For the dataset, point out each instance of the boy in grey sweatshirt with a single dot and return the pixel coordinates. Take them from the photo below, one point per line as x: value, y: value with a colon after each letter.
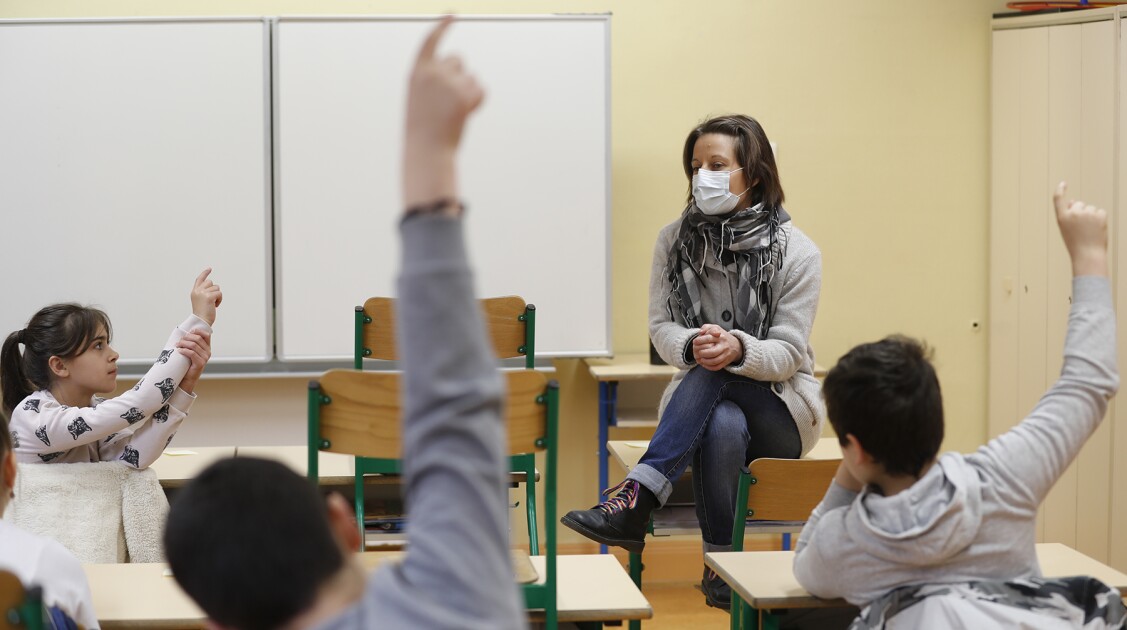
x: 896, y: 514
x: 253, y: 543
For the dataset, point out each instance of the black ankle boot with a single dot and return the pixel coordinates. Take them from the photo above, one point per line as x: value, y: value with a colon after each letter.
x: 716, y: 591
x: 620, y: 521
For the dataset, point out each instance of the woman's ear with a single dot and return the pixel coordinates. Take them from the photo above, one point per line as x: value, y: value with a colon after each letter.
x: 58, y: 366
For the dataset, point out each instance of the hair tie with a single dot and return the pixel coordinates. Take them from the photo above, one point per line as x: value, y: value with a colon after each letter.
x: 21, y: 336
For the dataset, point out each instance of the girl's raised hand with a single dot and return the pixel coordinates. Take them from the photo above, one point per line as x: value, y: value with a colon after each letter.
x: 206, y: 297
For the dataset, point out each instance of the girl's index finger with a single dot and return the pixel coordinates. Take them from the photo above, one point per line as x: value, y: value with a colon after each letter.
x: 203, y: 276
x: 430, y: 44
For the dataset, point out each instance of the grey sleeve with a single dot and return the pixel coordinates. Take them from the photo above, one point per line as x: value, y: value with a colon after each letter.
x: 823, y: 544
x: 454, y: 462
x: 1028, y: 459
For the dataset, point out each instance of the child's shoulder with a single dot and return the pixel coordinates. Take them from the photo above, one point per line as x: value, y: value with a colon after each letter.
x: 35, y: 403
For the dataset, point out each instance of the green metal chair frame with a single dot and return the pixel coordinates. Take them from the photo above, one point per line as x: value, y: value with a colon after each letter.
x: 512, y: 329
x: 364, y: 423
x: 777, y: 496
x: 20, y: 607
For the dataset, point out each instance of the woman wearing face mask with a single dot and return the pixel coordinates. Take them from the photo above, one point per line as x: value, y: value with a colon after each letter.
x: 733, y: 293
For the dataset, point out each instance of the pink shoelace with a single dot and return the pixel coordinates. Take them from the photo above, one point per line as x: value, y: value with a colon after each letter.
x: 626, y: 498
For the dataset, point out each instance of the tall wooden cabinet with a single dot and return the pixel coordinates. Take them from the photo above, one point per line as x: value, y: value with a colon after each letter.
x: 1057, y: 114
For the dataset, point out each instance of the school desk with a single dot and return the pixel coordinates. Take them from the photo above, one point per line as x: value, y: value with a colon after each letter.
x: 176, y: 466
x: 335, y: 469
x: 591, y: 588
x: 765, y: 579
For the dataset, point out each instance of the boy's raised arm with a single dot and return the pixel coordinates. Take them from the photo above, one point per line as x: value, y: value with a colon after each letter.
x: 454, y: 461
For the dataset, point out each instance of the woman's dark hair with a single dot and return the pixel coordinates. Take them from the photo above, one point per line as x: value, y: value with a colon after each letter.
x: 753, y: 151
x: 59, y: 330
x: 887, y: 395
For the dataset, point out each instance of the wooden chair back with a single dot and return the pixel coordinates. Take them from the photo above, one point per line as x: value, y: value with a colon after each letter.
x: 509, y: 320
x: 358, y: 412
x: 787, y: 489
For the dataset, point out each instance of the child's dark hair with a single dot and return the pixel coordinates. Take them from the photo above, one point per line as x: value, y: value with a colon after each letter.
x: 5, y: 438
x: 249, y: 540
x: 61, y: 330
x: 886, y: 394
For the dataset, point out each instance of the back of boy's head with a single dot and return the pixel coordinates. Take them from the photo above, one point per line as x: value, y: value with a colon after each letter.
x: 61, y: 330
x: 886, y: 394
x: 249, y: 540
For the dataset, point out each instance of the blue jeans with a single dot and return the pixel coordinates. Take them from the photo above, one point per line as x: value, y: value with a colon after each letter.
x: 718, y: 422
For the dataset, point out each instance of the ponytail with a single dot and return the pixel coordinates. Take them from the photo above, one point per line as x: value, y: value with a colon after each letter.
x: 12, y: 379
x: 59, y: 330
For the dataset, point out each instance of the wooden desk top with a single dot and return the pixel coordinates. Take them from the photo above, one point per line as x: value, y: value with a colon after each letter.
x: 765, y: 579
x: 178, y: 465
x: 590, y: 588
x: 334, y: 469
x: 628, y: 367
x: 627, y: 453
x: 633, y: 367
x: 594, y: 587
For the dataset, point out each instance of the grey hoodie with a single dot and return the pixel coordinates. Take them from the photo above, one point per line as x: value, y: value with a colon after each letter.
x: 970, y: 517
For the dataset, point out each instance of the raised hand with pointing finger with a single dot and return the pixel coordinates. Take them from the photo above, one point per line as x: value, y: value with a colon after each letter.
x: 441, y: 95
x: 1084, y: 230
x: 206, y: 297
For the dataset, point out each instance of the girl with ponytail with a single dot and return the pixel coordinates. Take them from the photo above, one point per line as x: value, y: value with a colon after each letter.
x: 51, y: 370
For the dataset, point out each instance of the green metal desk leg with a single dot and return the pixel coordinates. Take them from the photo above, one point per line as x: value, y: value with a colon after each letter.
x: 770, y: 621
x: 636, y: 568
x: 749, y: 616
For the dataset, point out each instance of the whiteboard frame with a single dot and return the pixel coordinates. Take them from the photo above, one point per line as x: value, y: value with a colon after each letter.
x: 129, y: 365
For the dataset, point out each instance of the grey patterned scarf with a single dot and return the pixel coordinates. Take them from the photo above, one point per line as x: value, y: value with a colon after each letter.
x: 748, y: 243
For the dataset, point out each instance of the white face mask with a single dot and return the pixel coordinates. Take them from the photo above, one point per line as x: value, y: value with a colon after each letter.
x: 711, y: 192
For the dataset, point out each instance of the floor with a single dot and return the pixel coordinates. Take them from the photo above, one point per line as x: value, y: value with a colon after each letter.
x: 681, y: 606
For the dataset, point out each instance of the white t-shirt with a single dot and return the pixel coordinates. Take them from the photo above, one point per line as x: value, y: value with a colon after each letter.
x: 40, y: 561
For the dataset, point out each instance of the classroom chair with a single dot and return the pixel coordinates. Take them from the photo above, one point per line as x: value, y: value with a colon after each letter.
x: 20, y: 608
x: 511, y: 325
x: 357, y: 413
x: 778, y: 496
x: 780, y: 502
x: 509, y: 321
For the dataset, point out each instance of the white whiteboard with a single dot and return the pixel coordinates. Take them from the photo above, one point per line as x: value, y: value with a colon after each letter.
x: 132, y: 155
x: 534, y: 171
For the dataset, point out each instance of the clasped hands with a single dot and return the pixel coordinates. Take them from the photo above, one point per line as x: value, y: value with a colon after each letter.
x: 715, y: 348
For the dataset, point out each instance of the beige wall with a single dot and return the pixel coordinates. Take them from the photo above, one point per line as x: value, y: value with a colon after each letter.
x: 881, y: 114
